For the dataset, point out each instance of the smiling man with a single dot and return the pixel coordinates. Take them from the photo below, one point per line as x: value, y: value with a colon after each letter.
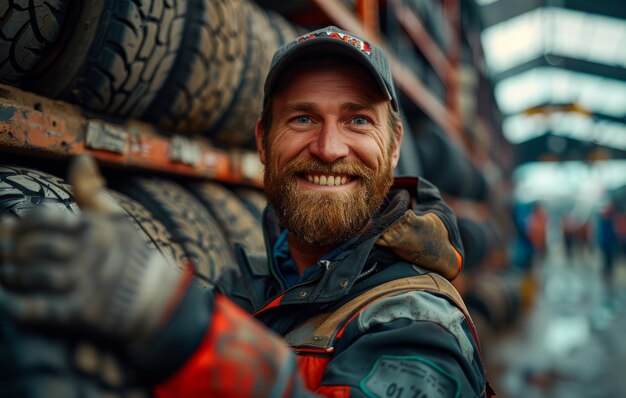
x: 355, y: 280
x: 358, y: 264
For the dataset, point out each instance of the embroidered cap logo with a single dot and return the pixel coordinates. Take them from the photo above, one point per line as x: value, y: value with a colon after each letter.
x: 363, y: 46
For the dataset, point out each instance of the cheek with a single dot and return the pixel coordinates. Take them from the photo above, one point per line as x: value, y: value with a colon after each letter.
x: 371, y: 152
x: 287, y: 146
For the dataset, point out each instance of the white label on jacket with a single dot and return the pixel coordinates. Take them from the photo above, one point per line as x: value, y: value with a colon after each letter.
x: 409, y: 377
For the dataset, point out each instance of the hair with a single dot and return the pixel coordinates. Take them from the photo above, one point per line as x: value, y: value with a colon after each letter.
x: 393, y: 117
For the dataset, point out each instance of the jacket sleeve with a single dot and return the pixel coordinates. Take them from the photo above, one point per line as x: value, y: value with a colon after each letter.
x: 235, y: 356
x: 414, y: 344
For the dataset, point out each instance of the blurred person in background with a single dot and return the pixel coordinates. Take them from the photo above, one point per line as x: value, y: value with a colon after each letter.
x: 620, y: 231
x: 576, y: 235
x: 537, y: 230
x: 607, y: 239
x: 522, y: 251
x: 355, y: 280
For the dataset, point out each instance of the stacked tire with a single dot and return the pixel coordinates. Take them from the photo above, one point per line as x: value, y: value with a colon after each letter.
x: 28, y: 32
x: 209, y: 66
x: 117, y: 56
x: 446, y: 165
x: 494, y: 300
x: 187, y: 66
x: 200, y: 224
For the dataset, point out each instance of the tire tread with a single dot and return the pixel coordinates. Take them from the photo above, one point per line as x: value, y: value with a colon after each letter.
x: 139, y: 41
x: 27, y: 31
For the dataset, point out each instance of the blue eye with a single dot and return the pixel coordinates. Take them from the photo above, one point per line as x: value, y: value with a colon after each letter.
x: 359, y: 120
x: 303, y: 120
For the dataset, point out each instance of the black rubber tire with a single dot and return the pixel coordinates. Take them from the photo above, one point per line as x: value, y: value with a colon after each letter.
x: 496, y: 296
x: 447, y: 166
x: 207, y: 70
x: 153, y: 230
x: 189, y: 223
x: 298, y: 6
x: 118, y: 57
x: 28, y: 28
x: 254, y: 200
x: 40, y: 362
x: 475, y: 242
x: 285, y: 30
x: 23, y: 189
x: 236, y: 126
x: 238, y: 223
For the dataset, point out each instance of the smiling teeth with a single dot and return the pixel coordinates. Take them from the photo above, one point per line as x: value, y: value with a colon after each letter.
x: 327, y: 180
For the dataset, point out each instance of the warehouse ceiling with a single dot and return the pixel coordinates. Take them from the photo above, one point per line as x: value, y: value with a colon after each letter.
x: 559, y: 69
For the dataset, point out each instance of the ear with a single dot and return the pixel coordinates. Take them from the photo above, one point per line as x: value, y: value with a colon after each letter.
x: 395, y: 154
x: 258, y: 136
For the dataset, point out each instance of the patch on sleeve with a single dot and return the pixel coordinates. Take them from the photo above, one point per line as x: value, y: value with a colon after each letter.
x: 419, y: 306
x: 409, y: 377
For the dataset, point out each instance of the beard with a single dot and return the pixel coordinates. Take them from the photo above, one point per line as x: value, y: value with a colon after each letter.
x: 325, y: 218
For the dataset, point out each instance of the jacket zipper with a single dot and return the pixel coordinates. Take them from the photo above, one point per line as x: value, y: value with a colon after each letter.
x: 366, y: 273
x: 325, y: 263
x: 270, y: 262
x: 326, y: 266
x: 325, y: 276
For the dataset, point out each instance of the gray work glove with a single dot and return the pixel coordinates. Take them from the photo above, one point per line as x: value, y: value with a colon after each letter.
x: 92, y: 275
x: 92, y: 272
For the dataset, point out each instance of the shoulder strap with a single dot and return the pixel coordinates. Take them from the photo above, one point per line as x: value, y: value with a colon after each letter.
x: 321, y: 331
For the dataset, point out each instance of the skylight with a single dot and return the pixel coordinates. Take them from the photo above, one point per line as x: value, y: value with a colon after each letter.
x: 552, y: 85
x: 568, y: 181
x: 556, y: 31
x: 520, y: 128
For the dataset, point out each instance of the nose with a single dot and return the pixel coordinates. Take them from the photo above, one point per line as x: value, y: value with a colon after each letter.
x: 329, y: 145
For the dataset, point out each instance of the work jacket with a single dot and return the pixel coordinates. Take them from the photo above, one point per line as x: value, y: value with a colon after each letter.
x: 417, y: 342
x: 379, y: 319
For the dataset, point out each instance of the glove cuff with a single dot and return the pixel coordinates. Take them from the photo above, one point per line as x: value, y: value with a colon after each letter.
x: 170, y: 348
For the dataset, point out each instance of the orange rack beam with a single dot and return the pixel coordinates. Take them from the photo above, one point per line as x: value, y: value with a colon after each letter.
x: 38, y: 126
x: 413, y: 25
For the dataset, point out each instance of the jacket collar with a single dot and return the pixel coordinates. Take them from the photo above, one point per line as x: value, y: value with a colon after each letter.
x: 338, y: 276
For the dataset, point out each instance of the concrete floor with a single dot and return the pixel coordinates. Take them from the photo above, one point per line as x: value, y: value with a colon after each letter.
x: 571, y: 342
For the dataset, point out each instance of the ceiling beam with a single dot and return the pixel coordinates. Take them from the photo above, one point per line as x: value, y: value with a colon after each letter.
x: 567, y: 63
x: 608, y: 118
x: 503, y: 10
x: 552, y: 147
x: 608, y: 8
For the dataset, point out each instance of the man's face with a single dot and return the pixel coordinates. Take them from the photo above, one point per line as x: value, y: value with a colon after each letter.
x: 329, y: 155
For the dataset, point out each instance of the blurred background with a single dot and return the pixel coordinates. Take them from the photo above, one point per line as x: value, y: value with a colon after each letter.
x: 515, y: 109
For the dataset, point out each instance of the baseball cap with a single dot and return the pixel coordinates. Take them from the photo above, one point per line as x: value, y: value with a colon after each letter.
x: 334, y: 40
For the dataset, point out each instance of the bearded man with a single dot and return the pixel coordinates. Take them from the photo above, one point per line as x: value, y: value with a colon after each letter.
x: 355, y: 278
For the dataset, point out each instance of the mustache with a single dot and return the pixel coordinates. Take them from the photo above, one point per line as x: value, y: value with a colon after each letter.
x: 353, y: 168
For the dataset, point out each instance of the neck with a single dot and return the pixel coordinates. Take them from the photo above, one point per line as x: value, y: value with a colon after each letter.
x: 306, y: 255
